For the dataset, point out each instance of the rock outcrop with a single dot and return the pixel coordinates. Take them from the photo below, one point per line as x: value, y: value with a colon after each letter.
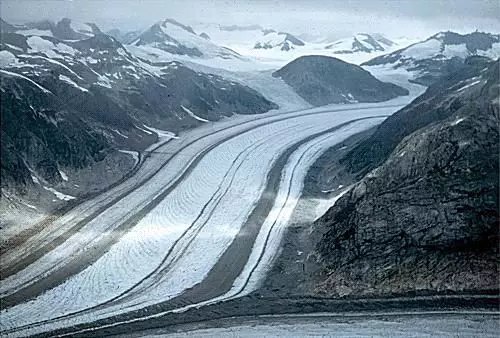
x: 425, y: 218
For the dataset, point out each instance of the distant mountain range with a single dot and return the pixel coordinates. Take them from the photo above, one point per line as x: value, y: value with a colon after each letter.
x: 440, y: 54
x: 364, y: 43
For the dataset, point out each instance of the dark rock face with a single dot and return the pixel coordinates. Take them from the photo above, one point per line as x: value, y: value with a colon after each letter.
x: 322, y: 80
x: 427, y: 218
x: 429, y: 107
x: 441, y: 54
x: 39, y: 134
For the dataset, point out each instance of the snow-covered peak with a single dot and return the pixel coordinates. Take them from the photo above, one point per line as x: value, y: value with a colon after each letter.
x: 175, y: 38
x: 281, y: 40
x: 362, y: 42
x: 443, y: 46
x: 441, y: 54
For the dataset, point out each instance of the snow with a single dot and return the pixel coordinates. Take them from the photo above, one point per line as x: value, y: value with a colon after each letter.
x: 5, y: 72
x: 145, y: 130
x: 63, y: 175
x: 193, y: 115
x: 60, y: 195
x: 119, y: 133
x: 457, y: 121
x: 323, y: 205
x: 163, y: 136
x: 468, y: 85
x: 27, y: 32
x: 71, y: 82
x: 134, y: 154
x: 197, y: 223
x: 35, y: 179
x: 460, y: 51
x: 269, y: 239
x: 492, y: 53
x: 7, y: 58
x: 104, y: 81
x: 91, y: 60
x: 81, y: 27
x: 272, y: 39
x: 14, y: 47
x: 66, y: 49
x: 51, y: 60
x: 39, y: 44
x: 423, y: 50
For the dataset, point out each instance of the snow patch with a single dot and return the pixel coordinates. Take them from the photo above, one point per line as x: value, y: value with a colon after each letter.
x: 134, y: 154
x: 7, y: 58
x: 27, y: 79
x: 66, y: 79
x: 468, y: 86
x: 118, y: 132
x: 59, y: 195
x: 63, y: 175
x: 423, y: 50
x: 193, y: 115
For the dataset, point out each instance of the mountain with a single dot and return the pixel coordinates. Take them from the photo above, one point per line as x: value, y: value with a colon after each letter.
x: 252, y: 39
x: 175, y: 38
x: 322, y: 80
x: 425, y: 216
x: 362, y: 42
x: 273, y: 39
x: 440, y: 54
x: 69, y: 104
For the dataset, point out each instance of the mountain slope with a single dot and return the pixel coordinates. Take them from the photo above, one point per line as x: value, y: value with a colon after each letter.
x: 80, y: 100
x: 431, y: 107
x: 425, y: 219
x: 322, y: 80
x: 440, y: 54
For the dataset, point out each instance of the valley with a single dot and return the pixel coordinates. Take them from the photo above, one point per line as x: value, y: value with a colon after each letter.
x: 232, y: 183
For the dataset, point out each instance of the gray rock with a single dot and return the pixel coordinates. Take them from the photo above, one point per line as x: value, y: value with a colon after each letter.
x: 322, y: 80
x: 425, y: 219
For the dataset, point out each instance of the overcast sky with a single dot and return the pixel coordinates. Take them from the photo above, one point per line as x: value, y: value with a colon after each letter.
x: 413, y: 18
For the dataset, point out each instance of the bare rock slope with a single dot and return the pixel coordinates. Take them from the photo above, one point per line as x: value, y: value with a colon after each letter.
x: 323, y: 80
x: 425, y: 217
